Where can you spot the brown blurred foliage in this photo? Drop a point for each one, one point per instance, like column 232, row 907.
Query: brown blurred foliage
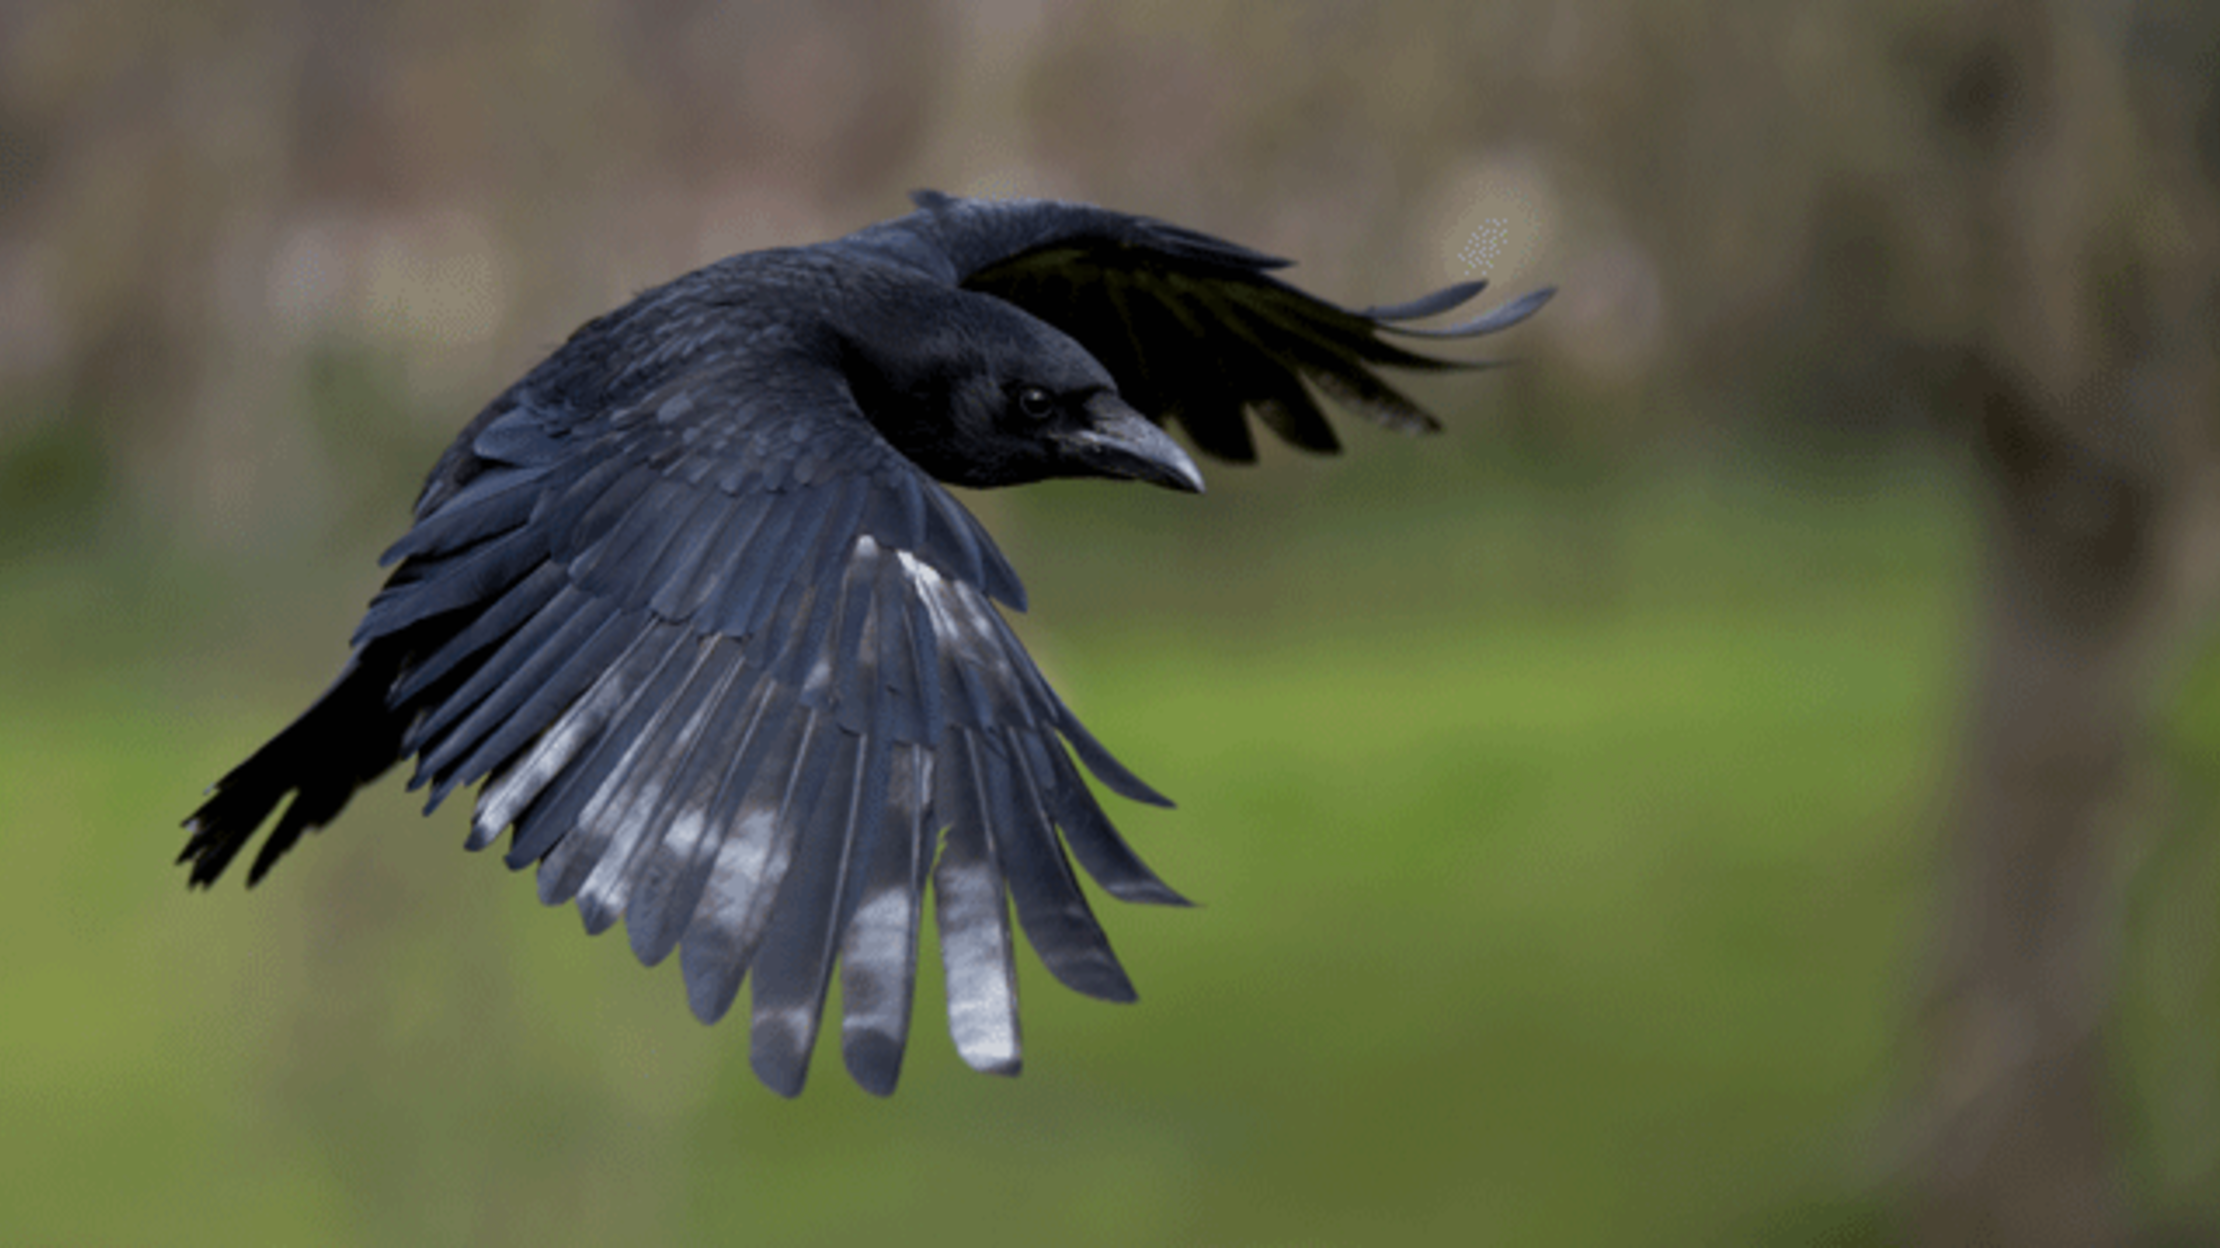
column 215, row 220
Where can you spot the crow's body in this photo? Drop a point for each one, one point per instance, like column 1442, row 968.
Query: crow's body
column 689, row 601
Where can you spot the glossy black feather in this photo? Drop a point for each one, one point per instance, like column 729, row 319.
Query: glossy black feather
column 970, row 891
column 690, row 604
column 878, row 953
column 1424, row 306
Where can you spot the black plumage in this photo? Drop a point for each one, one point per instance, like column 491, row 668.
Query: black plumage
column 689, row 605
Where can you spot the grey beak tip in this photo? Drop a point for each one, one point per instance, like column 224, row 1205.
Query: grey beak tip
column 1177, row 468
column 1127, row 444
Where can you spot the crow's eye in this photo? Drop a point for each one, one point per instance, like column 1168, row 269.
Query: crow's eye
column 1035, row 402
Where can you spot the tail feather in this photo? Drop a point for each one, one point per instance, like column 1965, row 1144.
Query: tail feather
column 345, row 740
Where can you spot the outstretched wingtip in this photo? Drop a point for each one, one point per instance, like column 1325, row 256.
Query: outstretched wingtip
column 1524, row 306
column 1150, row 892
column 1504, row 317
column 1426, row 305
column 779, row 1069
column 874, row 1062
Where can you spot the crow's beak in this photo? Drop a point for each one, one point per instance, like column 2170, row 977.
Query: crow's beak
column 1120, row 442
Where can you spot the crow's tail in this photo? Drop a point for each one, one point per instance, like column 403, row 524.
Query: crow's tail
column 344, row 741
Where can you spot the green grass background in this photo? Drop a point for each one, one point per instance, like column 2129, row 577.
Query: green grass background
column 1564, row 858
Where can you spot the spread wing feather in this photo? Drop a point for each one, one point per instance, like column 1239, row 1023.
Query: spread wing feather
column 1199, row 332
column 727, row 670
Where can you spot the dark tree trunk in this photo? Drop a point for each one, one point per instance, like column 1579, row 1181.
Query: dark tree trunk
column 2018, row 1151
column 2085, row 383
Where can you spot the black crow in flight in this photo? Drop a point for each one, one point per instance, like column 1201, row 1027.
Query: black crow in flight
column 690, row 601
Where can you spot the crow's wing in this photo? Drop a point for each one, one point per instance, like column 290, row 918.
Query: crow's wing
column 727, row 665
column 1195, row 329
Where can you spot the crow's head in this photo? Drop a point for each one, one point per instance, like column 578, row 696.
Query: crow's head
column 984, row 394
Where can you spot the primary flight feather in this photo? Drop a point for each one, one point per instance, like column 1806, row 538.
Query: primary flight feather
column 689, row 604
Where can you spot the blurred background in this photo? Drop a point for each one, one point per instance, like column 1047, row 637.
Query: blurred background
column 1748, row 780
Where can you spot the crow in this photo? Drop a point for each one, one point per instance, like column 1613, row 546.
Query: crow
column 689, row 604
